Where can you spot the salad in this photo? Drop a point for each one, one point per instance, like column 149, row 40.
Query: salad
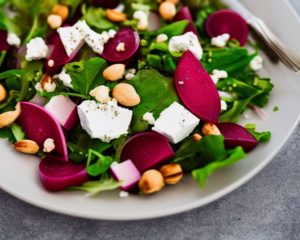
column 129, row 94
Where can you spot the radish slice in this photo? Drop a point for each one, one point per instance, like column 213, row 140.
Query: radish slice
column 59, row 56
column 4, row 46
column 132, row 42
column 196, row 89
column 39, row 125
column 126, row 172
column 57, row 175
column 227, row 21
column 106, row 3
column 147, row 150
column 236, row 135
column 185, row 14
column 64, row 110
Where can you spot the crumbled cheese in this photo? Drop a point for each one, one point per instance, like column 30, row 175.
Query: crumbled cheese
column 101, row 94
column 114, row 120
column 256, row 63
column 130, row 74
column 142, row 17
column 51, row 63
column 120, row 47
column 148, row 117
column 13, row 40
column 50, row 86
column 176, row 123
column 49, row 145
column 36, row 49
column 225, row 94
column 187, row 41
column 120, row 8
column 64, row 78
column 218, row 74
column 223, row 105
column 162, row 38
column 221, row 40
column 124, row 194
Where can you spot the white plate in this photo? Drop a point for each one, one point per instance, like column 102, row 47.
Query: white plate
column 18, row 173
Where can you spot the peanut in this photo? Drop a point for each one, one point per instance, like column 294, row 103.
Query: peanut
column 61, row 10
column 151, row 182
column 114, row 72
column 167, row 10
column 2, row 93
column 172, row 173
column 26, row 146
column 210, row 129
column 54, row 21
column 8, row 118
column 126, row 95
column 115, row 16
column 101, row 94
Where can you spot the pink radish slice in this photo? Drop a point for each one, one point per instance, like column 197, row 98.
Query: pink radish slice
column 147, row 150
column 132, row 42
column 227, row 21
column 57, row 175
column 39, row 125
column 185, row 14
column 4, row 46
column 64, row 110
column 196, row 89
column 236, row 135
column 127, row 173
column 106, row 3
column 59, row 56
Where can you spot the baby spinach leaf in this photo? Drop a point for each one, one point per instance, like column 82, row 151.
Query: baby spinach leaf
column 97, row 163
column 6, row 133
column 174, row 29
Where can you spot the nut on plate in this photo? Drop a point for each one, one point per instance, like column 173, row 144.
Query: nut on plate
column 114, row 72
column 27, row 146
column 2, row 93
column 172, row 173
column 8, row 118
column 54, row 21
column 126, row 95
column 167, row 10
column 115, row 16
column 151, row 182
column 210, row 129
column 61, row 10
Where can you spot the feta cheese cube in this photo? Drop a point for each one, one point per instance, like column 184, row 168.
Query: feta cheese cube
column 104, row 121
column 71, row 39
column 148, row 117
column 176, row 123
column 36, row 49
column 187, row 41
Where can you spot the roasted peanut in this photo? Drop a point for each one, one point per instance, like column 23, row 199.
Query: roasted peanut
column 2, row 93
column 115, row 16
column 26, row 146
column 172, row 173
column 101, row 94
column 54, row 21
column 61, row 10
column 167, row 10
column 8, row 118
column 210, row 129
column 151, row 182
column 197, row 137
column 126, row 95
column 114, row 72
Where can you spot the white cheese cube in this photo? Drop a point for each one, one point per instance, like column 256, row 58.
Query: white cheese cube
column 61, row 108
column 71, row 39
column 104, row 121
column 176, row 123
column 36, row 49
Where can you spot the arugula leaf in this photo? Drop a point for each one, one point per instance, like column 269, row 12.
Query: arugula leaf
column 17, row 131
column 12, row 73
column 260, row 136
column 105, row 183
column 87, row 74
column 100, row 165
column 203, row 173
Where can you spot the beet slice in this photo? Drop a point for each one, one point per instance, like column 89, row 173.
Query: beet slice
column 147, row 150
column 236, row 135
column 106, row 3
column 39, row 125
column 132, row 42
column 185, row 14
column 57, row 175
column 227, row 21
column 4, row 46
column 58, row 55
column 196, row 89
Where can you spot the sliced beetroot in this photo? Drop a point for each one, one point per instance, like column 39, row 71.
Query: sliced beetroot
column 236, row 135
column 147, row 150
column 4, row 46
column 106, row 3
column 58, row 175
column 185, row 14
column 132, row 42
column 227, row 21
column 39, row 125
column 127, row 173
column 196, row 89
column 58, row 55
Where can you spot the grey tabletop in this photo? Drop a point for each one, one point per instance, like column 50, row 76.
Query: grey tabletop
column 267, row 207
